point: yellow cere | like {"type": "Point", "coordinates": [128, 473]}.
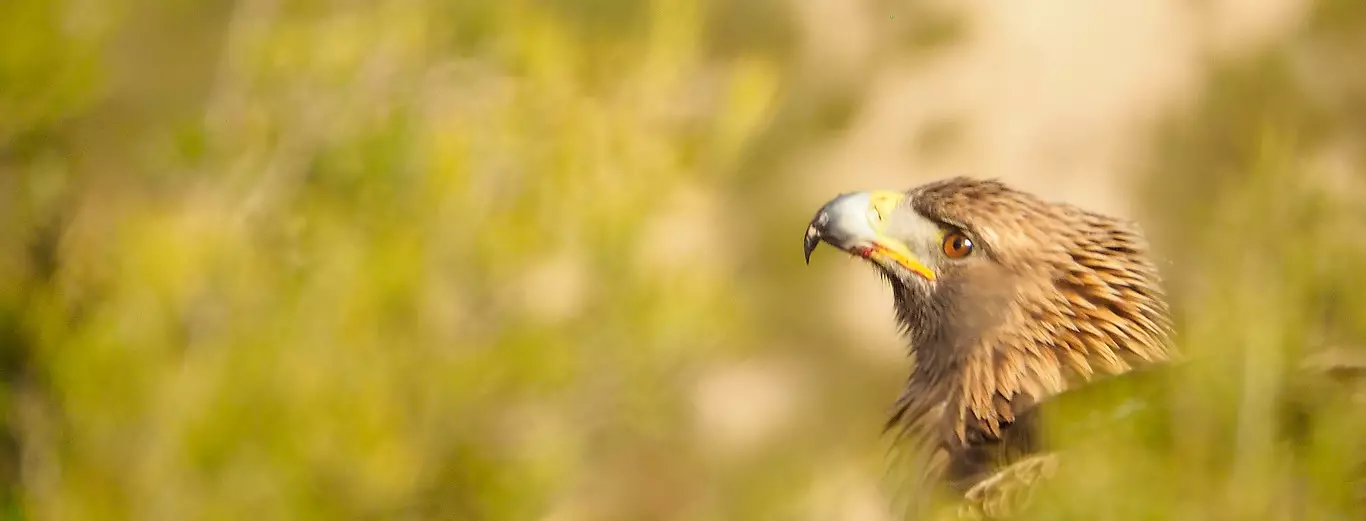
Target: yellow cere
{"type": "Point", "coordinates": [883, 203]}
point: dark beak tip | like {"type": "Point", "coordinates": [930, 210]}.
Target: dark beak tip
{"type": "Point", "coordinates": [809, 243]}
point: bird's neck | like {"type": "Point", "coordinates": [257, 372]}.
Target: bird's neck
{"type": "Point", "coordinates": [974, 371]}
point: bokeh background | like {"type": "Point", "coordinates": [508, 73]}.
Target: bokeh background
{"type": "Point", "coordinates": [537, 259]}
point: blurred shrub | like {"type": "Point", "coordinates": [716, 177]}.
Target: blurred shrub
{"type": "Point", "coordinates": [369, 276]}
{"type": "Point", "coordinates": [1252, 198]}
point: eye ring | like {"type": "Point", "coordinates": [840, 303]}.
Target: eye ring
{"type": "Point", "coordinates": [956, 245]}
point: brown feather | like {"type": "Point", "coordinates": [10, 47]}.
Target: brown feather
{"type": "Point", "coordinates": [1066, 296]}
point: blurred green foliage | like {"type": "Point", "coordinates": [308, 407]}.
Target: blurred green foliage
{"type": "Point", "coordinates": [402, 260]}
{"type": "Point", "coordinates": [498, 259]}
{"type": "Point", "coordinates": [1254, 201]}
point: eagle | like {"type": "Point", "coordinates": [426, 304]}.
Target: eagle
{"type": "Point", "coordinates": [1017, 308]}
{"type": "Point", "coordinates": [1007, 301]}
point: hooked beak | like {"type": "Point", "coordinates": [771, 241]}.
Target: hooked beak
{"type": "Point", "coordinates": [854, 223]}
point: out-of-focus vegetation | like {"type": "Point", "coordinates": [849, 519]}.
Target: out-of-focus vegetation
{"type": "Point", "coordinates": [537, 259]}
{"type": "Point", "coordinates": [392, 260]}
{"type": "Point", "coordinates": [1253, 198]}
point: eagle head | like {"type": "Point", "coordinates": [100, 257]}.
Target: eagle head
{"type": "Point", "coordinates": [1006, 299]}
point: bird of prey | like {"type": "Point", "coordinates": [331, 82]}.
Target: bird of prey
{"type": "Point", "coordinates": [1008, 301]}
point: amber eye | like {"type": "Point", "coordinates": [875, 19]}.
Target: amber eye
{"type": "Point", "coordinates": [957, 245]}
